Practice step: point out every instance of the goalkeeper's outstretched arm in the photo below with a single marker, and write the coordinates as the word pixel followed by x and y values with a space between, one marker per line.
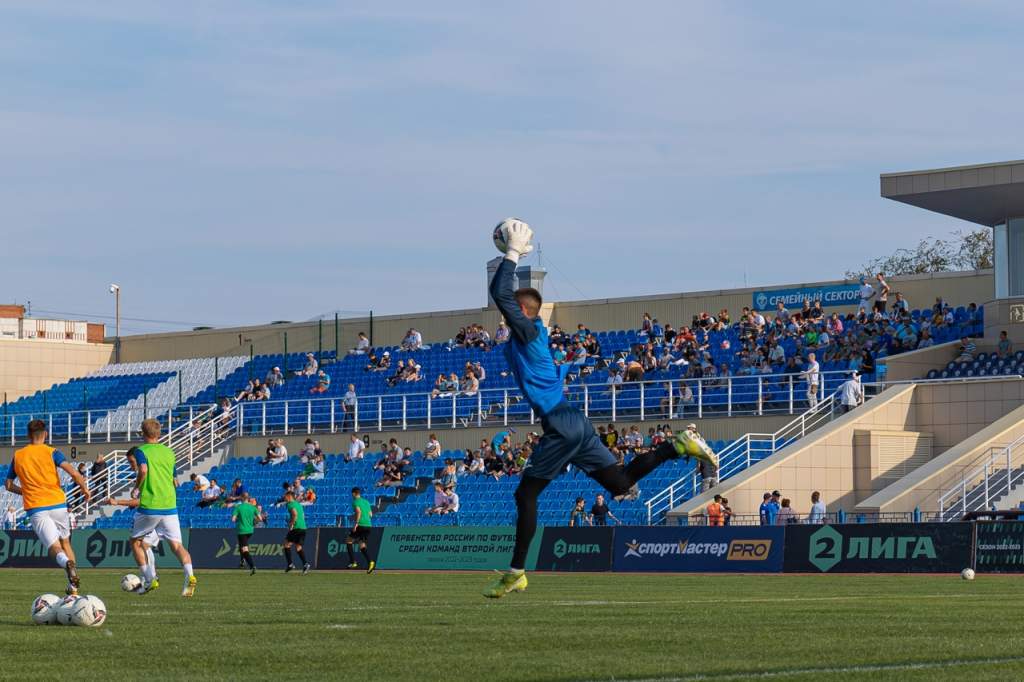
pixel 504 297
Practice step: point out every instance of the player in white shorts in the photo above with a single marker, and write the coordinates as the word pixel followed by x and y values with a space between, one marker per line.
pixel 35 468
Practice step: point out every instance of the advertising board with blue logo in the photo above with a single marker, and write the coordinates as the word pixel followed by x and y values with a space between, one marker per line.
pixel 832 294
pixel 733 549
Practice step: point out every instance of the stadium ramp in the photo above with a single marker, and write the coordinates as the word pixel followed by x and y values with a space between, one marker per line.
pixel 823 460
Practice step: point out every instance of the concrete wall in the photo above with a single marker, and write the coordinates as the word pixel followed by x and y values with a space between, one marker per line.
pixel 959 288
pixel 917 363
pixel 828 461
pixel 29 366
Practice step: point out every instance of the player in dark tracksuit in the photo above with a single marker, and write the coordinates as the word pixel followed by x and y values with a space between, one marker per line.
pixel 569 437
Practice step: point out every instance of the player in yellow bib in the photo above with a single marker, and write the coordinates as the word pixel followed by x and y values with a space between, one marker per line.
pixel 35 468
pixel 158 506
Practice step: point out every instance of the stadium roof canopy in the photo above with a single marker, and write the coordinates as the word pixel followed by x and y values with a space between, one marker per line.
pixel 986 194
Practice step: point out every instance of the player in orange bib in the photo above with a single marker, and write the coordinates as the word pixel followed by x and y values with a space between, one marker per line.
pixel 34 467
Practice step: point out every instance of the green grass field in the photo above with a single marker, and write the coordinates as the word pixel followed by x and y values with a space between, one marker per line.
pixel 402 626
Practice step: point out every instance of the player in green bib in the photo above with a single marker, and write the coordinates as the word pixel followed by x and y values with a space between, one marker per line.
pixel 155 473
pixel 362 515
pixel 244 516
pixel 296 533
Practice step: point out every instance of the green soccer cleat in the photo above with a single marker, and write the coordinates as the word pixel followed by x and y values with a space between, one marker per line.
pixel 146 588
pixel 353 565
pixel 371 567
pixel 190 587
pixel 506 582
pixel 694 447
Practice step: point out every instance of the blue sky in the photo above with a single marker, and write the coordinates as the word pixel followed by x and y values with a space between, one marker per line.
pixel 241 162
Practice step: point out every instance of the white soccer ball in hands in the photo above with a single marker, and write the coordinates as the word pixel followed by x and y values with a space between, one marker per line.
pixel 131 582
pixel 967 574
pixel 44 609
pixel 512 236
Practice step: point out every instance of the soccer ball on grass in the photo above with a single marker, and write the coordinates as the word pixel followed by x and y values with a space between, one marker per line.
pixel 44 609
pixel 967 574
pixel 131 582
pixel 99 611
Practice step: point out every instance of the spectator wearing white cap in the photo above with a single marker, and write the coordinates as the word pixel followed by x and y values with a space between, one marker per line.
pixel 311 365
pixel 274 377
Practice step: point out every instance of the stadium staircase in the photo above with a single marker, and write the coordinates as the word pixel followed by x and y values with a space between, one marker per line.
pixel 740 455
pixel 198 445
pixel 994 482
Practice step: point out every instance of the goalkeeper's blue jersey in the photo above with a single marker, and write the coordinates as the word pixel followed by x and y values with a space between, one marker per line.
pixel 539 378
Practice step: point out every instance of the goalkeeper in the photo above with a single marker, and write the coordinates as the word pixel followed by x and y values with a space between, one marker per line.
pixel 569 437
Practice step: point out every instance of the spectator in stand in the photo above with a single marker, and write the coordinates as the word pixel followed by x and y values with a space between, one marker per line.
pixel 501 334
pixel 646 324
pixel 199 482
pixel 399 373
pixel 440 501
pixel 657 335
pixel 277 453
pixel 237 493
pixel 211 495
pixel 578 514
pixel 882 295
pixel 470 385
pixel 478 370
pixel 449 477
pixel 412 372
pixel 966 351
pixel 274 378
pixel 557 336
pixel 812 375
pixel 817 513
pixel 309 450
pixel 382 365
pixel 634 371
pixel 362 346
pixel 581 333
pixel 476 466
pixel 446 387
pixel 323 383
pixel 433 447
pixel 311 365
pixel 786 514
pixel 577 354
pixel 356 448
pixel 867 292
pixel 726 512
pixel 1004 349
pixel 926 339
pixel 900 306
pixel 558 354
pixel 851 393
pixel 10 518
pixel 600 513
pixel 316 468
pixel 349 403
pixel 867 363
pixel 493 465
pixel 413 340
pixel 98 473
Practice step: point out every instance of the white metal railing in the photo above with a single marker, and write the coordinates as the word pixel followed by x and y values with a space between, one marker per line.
pixel 722 396
pixel 740 455
pixel 998 472
pixel 96 426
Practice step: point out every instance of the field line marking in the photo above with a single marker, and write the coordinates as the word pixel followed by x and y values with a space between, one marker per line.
pixel 833 670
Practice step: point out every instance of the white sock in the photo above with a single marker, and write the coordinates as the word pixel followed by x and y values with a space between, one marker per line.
pixel 148 572
pixel 62 559
pixel 188 570
pixel 516 571
pixel 150 559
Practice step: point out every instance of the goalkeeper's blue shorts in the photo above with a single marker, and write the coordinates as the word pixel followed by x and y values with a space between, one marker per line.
pixel 569 438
